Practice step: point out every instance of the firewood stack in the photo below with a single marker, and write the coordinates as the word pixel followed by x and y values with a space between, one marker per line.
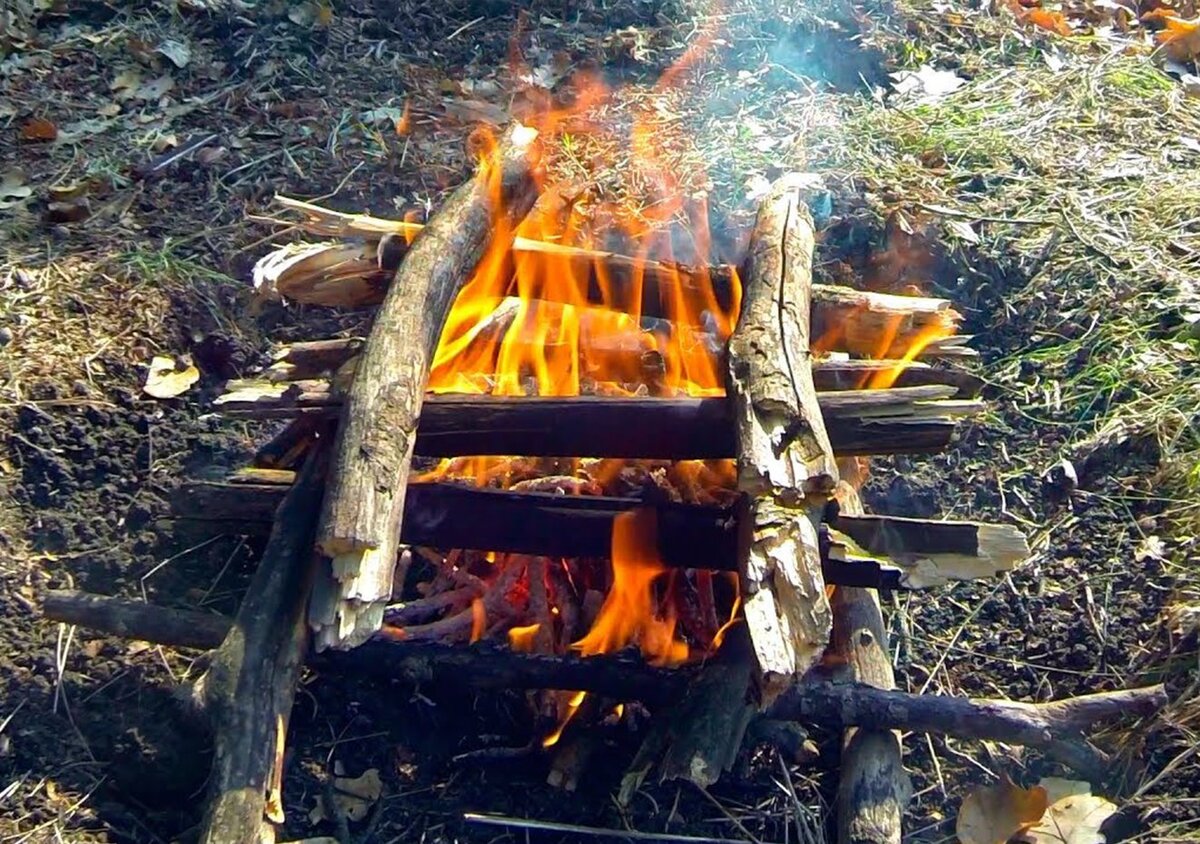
pixel 338 479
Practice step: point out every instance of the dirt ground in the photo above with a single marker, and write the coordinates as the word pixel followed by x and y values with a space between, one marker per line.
pixel 1051 190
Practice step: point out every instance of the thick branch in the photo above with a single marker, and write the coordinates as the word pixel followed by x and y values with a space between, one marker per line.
pixel 786 466
pixel 621 677
pixel 251 682
pixel 365 500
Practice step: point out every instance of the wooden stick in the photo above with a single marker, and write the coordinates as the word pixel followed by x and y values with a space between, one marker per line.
pixel 300 361
pixel 445 515
pixel 136 620
pixel 623 677
pixel 251 681
pixel 365 500
pixel 873 787
pixel 1041 725
pixel 786 467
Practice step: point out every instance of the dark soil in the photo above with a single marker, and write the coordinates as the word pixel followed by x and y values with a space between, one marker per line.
pixel 100 745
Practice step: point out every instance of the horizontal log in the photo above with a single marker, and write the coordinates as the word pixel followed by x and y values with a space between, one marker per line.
pixel 593 426
pixel 320 358
pixel 445 515
pixel 136 619
pixel 1055 726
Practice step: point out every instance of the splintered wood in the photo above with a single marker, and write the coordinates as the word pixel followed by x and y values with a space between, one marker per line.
pixel 786 467
pixel 364 503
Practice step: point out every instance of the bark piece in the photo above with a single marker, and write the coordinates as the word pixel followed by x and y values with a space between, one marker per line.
pixel 786 467
pixel 364 504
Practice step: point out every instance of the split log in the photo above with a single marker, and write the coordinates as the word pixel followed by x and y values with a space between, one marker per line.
pixel 365 501
pixel 786 468
pixel 625 677
pixel 250 684
pixel 838 312
pixel 448 515
pixel 873 787
pixel 933 553
pixel 300 361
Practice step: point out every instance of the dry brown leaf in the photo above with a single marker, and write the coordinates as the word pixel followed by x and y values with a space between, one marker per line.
pixel 1046 19
pixel 1074 817
pixel 353 797
pixel 39 129
pixel 1180 39
pixel 167 379
pixel 995 814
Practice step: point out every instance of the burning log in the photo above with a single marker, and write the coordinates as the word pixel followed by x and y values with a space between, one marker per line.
pixel 856 321
pixel 873 787
pixel 1056 727
pixel 364 504
pixel 321 358
pixel 786 468
pixel 248 689
pixel 445 515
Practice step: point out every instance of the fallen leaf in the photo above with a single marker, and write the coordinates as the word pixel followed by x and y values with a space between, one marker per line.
pixel 110 110
pixel 154 89
pixel 38 129
pixel 353 797
pixel 1180 39
pixel 177 51
pixel 13 188
pixel 963 230
pixel 1048 20
pixel 995 814
pixel 125 84
pixel 167 379
pixel 1074 818
pixel 311 14
pixel 927 85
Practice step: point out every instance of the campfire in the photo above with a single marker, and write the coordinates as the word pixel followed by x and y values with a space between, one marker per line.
pixel 579 452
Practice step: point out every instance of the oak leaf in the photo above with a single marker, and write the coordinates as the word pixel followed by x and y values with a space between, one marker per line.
pixel 167 379
pixel 1074 817
pixel 1179 39
pixel 38 129
pixel 1047 19
pixel 995 814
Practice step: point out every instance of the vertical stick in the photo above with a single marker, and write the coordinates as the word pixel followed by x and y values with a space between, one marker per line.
pixel 364 506
pixel 251 683
pixel 874 788
pixel 786 467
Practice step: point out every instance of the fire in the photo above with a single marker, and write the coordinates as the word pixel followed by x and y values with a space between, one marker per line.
pixel 629 615
pixel 885 378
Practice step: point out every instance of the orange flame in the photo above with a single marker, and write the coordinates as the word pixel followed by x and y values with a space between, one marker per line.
pixel 931 333
pixel 521 638
pixel 628 614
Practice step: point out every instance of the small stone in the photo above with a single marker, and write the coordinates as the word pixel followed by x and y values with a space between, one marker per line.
pixel 80 387
pixel 6 335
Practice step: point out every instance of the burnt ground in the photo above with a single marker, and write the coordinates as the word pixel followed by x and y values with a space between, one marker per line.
pixel 1068 165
